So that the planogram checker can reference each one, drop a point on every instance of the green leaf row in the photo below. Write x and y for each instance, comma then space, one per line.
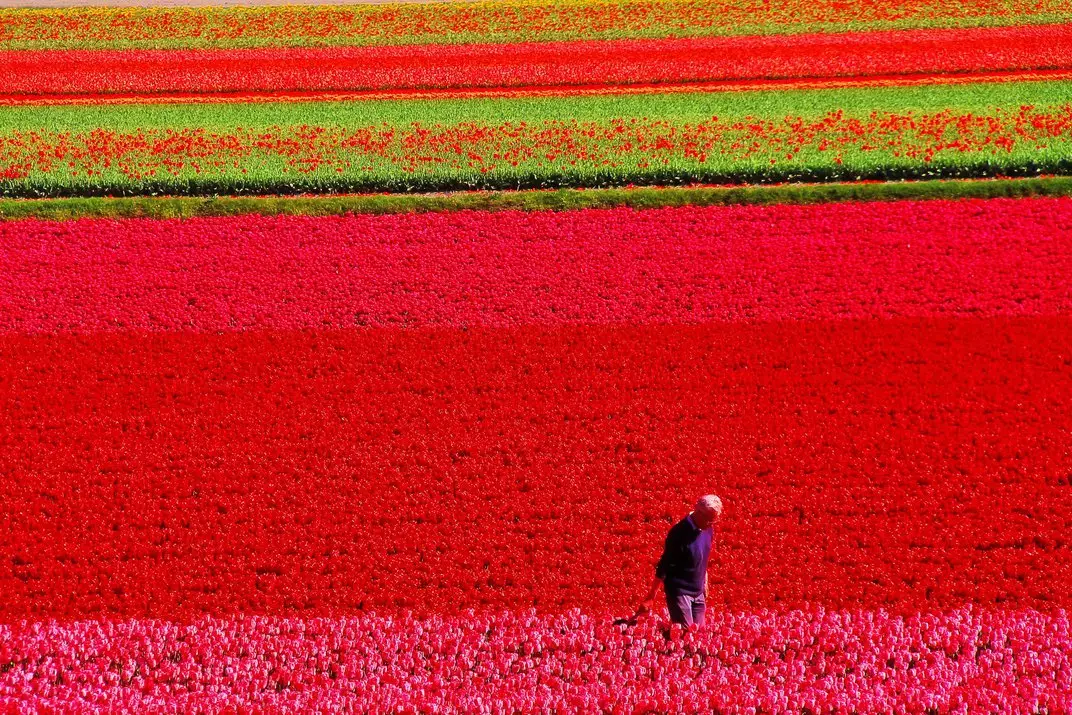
164, 207
950, 131
501, 21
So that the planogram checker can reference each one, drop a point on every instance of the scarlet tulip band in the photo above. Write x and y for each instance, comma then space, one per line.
607, 66
911, 464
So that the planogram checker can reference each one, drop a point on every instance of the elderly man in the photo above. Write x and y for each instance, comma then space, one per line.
683, 566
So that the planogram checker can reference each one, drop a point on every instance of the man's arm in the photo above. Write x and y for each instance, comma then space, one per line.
649, 600
705, 584
660, 573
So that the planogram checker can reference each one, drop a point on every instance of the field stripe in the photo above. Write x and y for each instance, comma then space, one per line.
505, 21
685, 265
571, 90
82, 4
176, 207
904, 464
857, 103
994, 660
405, 146
882, 56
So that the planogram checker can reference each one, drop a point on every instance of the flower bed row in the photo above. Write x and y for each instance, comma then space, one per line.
881, 55
500, 21
546, 90
905, 464
533, 143
810, 660
600, 266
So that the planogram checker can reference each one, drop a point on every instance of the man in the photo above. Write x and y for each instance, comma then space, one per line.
683, 566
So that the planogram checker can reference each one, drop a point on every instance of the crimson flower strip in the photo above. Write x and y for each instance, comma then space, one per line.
907, 464
547, 153
882, 55
500, 21
561, 90
807, 660
598, 266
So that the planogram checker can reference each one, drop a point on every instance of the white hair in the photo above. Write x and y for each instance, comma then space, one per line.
709, 503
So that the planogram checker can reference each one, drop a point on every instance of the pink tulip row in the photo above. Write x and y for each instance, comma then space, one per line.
602, 266
960, 661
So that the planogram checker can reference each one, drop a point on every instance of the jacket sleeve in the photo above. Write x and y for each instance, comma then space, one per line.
666, 560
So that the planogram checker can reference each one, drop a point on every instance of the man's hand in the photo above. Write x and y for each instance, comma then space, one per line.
649, 599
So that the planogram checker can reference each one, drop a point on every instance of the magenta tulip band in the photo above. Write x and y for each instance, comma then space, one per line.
686, 265
968, 660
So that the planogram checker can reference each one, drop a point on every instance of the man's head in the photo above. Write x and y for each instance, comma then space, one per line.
707, 511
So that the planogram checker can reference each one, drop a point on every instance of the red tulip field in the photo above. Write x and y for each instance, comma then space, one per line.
358, 358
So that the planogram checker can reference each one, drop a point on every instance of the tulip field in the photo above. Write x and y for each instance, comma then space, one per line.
358, 358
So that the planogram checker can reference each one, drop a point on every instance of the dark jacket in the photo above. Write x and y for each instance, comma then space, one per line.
684, 561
